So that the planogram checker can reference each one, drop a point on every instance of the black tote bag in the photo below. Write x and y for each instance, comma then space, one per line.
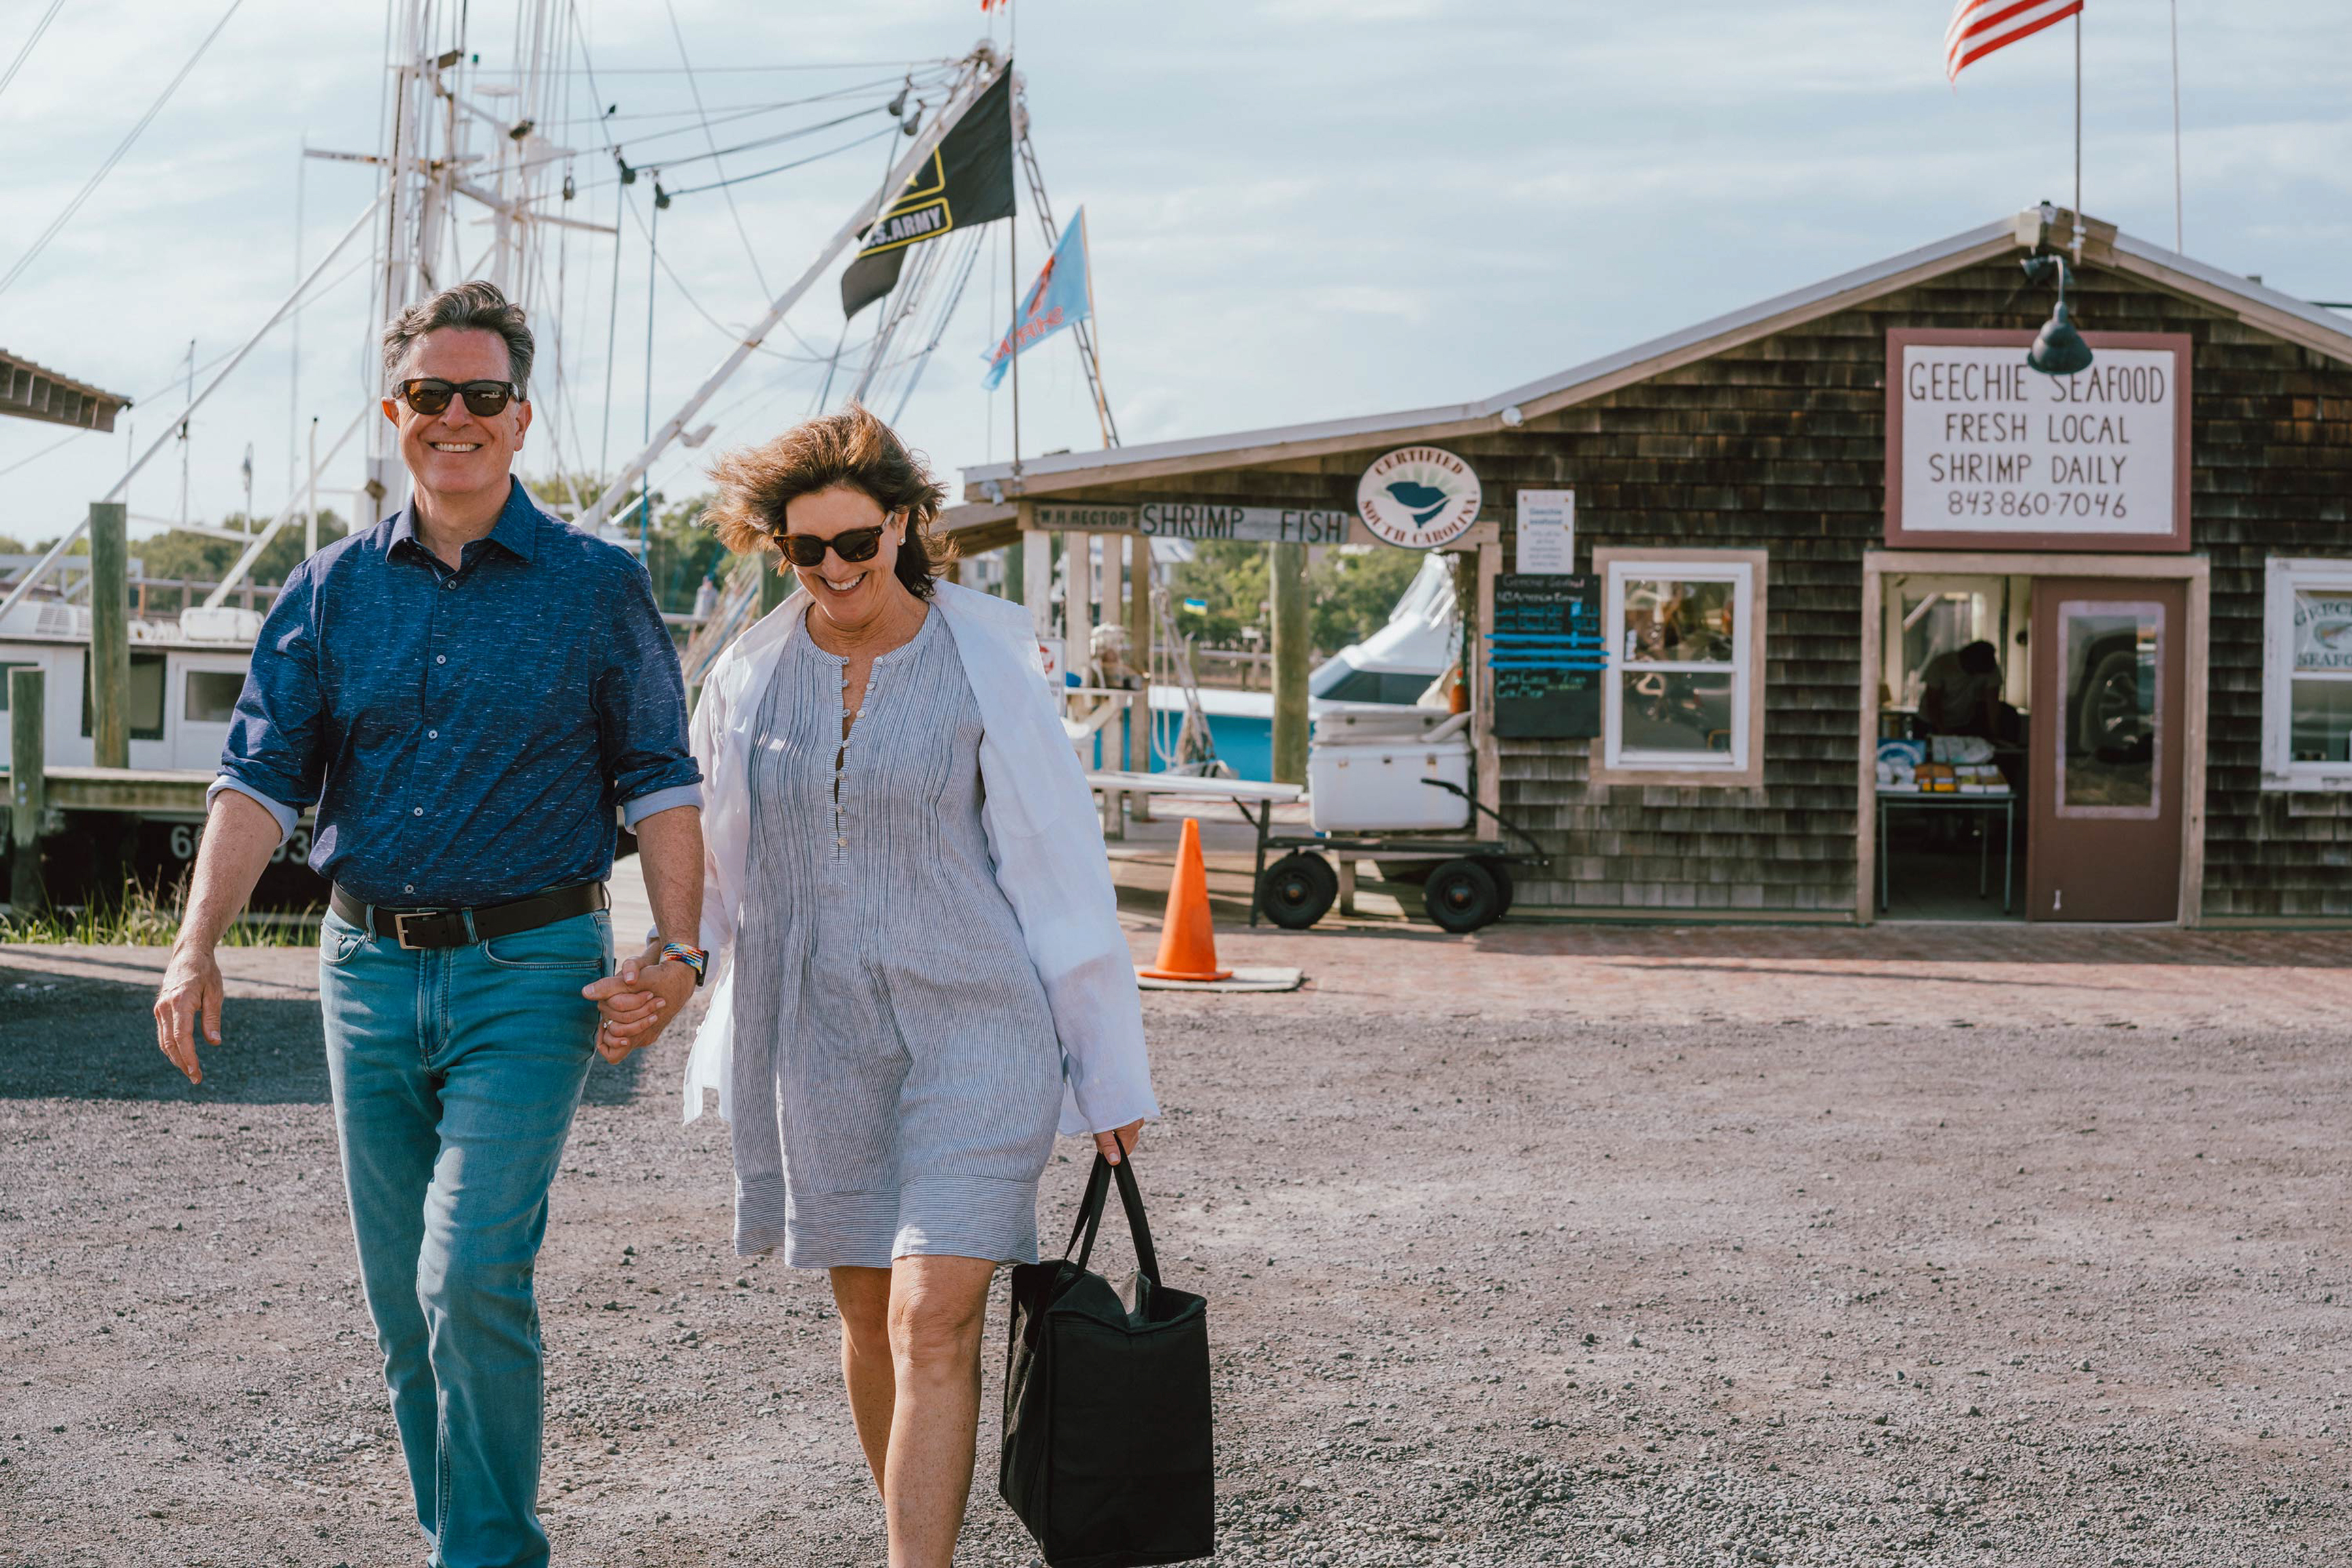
1107, 1452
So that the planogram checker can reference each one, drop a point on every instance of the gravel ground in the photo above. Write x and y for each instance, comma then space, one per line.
1492, 1281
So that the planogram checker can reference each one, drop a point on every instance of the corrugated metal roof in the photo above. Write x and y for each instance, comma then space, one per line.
2314, 325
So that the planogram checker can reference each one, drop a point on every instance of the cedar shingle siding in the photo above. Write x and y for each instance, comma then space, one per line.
1781, 444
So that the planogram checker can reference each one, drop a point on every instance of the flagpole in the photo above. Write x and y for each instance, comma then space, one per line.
1012, 284
2178, 243
2078, 137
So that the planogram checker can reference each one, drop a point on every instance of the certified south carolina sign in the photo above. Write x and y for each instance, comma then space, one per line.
1419, 497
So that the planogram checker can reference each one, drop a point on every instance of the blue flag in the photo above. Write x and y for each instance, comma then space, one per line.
1062, 295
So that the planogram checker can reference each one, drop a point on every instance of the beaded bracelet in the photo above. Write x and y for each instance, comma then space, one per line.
694, 958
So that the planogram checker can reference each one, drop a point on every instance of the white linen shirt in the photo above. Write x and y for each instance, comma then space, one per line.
1042, 835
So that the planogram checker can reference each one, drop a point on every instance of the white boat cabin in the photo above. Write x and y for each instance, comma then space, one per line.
185, 682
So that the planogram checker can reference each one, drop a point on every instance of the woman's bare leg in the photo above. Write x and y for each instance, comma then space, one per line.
863, 1296
936, 1307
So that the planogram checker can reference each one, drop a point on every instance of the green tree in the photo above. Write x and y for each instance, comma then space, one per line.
198, 557
1350, 593
680, 549
1229, 578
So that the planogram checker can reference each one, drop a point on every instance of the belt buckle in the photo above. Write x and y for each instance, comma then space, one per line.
400, 926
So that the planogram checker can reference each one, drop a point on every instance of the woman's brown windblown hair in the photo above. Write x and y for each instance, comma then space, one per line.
850, 448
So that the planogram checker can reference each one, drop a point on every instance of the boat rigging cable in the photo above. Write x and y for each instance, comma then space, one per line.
795, 163
73, 207
612, 150
41, 568
25, 53
750, 250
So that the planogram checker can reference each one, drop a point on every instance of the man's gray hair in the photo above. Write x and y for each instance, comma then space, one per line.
477, 306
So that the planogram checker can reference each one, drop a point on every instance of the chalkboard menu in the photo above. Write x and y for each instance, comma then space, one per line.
1547, 655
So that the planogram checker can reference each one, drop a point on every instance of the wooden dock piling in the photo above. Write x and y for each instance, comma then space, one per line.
27, 793
110, 633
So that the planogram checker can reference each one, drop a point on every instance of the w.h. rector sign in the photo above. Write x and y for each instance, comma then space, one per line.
1985, 452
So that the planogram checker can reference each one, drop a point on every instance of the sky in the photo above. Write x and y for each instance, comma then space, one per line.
1298, 209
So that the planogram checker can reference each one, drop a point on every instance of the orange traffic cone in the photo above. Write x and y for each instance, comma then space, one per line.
1188, 942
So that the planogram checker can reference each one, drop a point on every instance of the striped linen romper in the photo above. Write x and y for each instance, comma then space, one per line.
896, 1075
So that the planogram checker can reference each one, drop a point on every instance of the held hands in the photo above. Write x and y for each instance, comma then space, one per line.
191, 990
635, 1004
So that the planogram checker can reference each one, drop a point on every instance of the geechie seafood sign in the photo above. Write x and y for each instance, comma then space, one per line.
1983, 451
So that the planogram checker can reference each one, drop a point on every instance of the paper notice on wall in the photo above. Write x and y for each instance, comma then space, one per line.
1546, 532
1992, 446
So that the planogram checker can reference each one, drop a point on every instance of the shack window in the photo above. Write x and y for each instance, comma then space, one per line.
1682, 656
2307, 675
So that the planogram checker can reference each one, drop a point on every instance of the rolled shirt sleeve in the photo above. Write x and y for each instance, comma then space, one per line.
284, 815
641, 705
276, 751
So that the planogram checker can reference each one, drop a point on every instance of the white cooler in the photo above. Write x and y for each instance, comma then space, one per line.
1365, 777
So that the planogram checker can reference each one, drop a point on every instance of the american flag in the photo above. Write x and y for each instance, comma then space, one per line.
1980, 26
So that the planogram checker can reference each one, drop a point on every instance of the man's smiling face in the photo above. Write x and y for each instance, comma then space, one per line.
456, 452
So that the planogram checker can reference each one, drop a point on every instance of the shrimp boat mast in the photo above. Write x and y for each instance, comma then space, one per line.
475, 182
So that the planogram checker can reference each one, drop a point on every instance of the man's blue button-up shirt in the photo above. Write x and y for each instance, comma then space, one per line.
465, 735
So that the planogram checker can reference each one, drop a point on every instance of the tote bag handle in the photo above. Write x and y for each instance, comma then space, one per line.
1090, 1214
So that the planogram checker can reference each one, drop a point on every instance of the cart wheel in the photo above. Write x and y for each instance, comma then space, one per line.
1461, 896
1506, 886
1297, 890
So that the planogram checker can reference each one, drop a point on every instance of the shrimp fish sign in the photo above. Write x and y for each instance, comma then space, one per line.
1419, 497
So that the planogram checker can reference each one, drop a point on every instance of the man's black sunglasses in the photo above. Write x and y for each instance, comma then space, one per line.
851, 544
430, 395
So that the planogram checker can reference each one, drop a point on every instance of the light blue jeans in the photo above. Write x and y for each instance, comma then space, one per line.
455, 1072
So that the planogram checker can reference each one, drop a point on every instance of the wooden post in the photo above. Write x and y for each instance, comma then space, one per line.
1485, 753
1038, 577
1079, 634
27, 787
1078, 600
1138, 644
110, 633
776, 583
1288, 583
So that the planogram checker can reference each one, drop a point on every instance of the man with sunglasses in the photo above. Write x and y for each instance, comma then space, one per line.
467, 693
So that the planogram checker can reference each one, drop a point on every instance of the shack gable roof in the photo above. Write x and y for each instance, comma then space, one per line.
2312, 326
29, 392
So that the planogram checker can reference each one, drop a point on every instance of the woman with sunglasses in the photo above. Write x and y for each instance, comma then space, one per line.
913, 933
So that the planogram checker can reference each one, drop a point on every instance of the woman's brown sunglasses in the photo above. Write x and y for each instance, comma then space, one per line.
851, 544
430, 395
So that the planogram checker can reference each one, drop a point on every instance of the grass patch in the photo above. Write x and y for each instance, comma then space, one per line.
148, 917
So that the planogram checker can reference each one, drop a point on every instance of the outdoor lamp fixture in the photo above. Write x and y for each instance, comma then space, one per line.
661, 204
2058, 349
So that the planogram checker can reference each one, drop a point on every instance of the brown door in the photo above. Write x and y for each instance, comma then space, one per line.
2106, 748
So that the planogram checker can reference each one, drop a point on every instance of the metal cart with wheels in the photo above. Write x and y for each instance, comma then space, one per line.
1465, 881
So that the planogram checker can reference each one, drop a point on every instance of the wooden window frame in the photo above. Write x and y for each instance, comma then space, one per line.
2282, 576
1608, 562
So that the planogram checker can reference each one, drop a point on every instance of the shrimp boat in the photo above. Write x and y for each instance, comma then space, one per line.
466, 147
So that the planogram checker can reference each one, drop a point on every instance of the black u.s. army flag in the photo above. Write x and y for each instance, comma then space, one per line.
967, 181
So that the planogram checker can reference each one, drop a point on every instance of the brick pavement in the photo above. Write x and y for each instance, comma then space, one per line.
1955, 974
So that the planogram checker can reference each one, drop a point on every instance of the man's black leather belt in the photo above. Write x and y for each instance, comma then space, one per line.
463, 928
